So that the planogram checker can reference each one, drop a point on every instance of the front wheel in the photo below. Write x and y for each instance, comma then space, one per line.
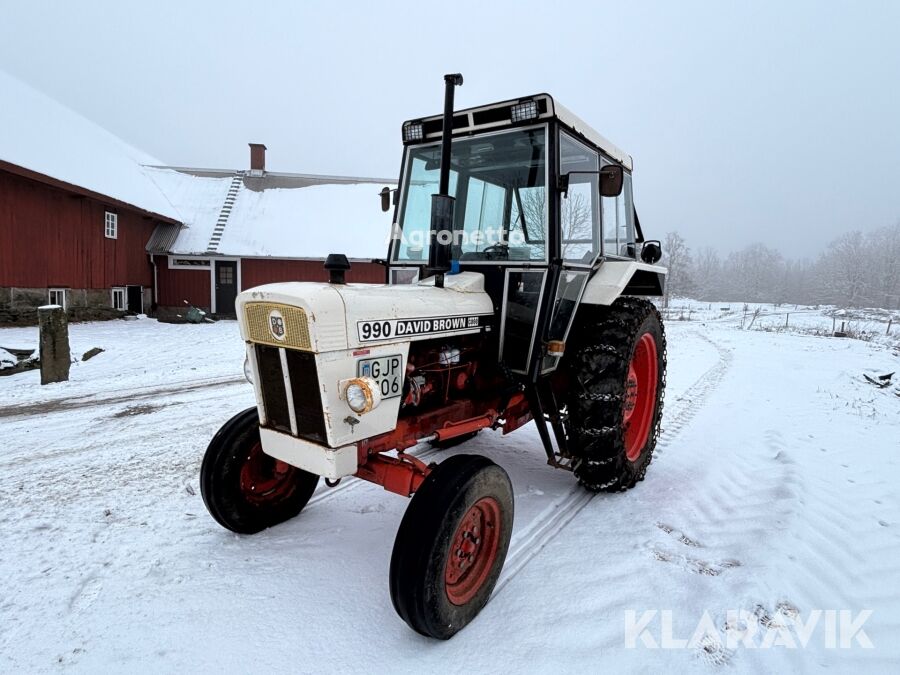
451, 545
245, 489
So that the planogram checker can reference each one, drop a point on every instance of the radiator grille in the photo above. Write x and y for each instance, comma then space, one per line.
307, 399
259, 317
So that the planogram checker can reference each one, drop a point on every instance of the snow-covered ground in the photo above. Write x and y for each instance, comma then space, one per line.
773, 495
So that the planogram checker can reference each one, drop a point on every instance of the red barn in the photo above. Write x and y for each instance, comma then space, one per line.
98, 226
76, 210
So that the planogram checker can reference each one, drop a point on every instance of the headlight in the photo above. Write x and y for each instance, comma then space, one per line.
362, 394
248, 371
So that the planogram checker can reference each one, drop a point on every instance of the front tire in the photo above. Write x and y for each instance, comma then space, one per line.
451, 545
244, 489
616, 378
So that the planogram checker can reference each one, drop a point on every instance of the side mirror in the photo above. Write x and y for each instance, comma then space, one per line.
651, 252
611, 180
385, 199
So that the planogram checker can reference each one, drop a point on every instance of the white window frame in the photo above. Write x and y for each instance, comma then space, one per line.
111, 225
203, 264
65, 298
120, 290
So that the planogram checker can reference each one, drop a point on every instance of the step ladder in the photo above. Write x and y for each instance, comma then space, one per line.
235, 187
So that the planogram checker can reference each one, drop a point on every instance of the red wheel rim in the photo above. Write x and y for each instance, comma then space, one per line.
473, 550
265, 479
640, 396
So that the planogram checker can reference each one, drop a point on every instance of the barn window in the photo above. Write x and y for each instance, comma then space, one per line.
58, 297
111, 223
118, 299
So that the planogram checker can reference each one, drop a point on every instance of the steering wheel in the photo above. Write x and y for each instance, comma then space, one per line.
502, 251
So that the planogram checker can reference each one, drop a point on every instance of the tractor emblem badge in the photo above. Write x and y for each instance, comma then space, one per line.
276, 325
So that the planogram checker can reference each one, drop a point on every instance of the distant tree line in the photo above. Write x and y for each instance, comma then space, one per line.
855, 270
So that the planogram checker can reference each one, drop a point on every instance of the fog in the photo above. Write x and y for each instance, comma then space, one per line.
760, 122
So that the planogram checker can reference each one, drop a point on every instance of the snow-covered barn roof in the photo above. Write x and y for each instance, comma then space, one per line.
275, 214
233, 213
45, 137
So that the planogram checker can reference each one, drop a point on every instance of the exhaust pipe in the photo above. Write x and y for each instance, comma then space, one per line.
440, 252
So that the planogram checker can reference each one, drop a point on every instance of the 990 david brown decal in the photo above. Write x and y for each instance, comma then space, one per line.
370, 331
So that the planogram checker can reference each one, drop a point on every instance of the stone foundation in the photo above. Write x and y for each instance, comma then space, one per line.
18, 306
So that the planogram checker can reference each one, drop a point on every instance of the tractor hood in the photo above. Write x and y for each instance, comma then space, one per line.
321, 317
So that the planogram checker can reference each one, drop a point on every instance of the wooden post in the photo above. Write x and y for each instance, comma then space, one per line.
890, 321
55, 355
786, 318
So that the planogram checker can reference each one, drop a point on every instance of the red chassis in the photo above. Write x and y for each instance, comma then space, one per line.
404, 474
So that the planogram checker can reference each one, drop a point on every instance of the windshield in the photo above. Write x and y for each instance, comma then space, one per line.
499, 182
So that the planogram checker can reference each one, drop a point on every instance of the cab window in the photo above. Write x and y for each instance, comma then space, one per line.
618, 222
579, 208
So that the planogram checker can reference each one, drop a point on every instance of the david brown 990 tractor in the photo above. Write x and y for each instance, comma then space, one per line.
516, 284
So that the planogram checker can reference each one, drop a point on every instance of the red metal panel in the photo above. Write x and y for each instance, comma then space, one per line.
259, 271
176, 286
50, 237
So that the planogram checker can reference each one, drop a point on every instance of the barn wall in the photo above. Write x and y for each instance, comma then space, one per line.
259, 271
53, 238
176, 286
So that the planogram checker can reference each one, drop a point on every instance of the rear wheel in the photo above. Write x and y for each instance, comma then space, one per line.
451, 545
615, 370
245, 489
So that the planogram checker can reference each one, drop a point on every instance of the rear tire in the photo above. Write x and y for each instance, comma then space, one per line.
615, 370
451, 545
244, 489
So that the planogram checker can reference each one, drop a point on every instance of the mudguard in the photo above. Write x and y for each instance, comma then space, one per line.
624, 277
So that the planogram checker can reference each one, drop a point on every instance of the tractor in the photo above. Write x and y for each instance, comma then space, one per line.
516, 291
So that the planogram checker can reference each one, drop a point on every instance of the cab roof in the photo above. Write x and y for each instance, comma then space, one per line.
525, 110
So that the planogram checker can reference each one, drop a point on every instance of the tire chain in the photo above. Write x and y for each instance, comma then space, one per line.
599, 438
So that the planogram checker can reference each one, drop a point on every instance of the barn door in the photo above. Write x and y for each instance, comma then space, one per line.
226, 286
135, 296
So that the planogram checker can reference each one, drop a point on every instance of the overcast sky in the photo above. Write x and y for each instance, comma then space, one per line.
775, 122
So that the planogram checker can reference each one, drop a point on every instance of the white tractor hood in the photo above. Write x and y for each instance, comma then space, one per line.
348, 316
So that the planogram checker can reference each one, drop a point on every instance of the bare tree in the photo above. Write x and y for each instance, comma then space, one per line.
843, 272
855, 270
677, 257
576, 220
707, 274
576, 223
884, 245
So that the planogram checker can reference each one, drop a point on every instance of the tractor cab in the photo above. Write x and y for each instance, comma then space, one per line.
540, 202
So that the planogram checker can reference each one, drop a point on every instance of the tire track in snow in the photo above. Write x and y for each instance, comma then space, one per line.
128, 395
531, 540
56, 426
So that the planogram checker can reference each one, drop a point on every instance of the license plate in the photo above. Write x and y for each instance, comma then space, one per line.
387, 371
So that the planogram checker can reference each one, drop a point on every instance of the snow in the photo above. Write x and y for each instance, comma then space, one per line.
40, 134
309, 222
7, 360
198, 199
773, 492
302, 222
